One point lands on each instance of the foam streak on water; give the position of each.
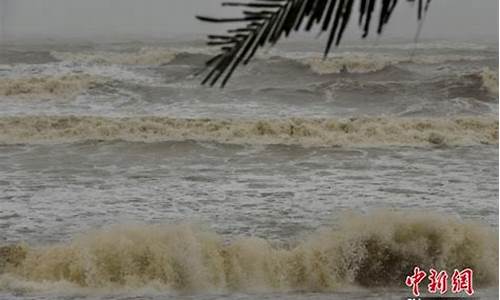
(305, 132)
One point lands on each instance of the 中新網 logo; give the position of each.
(461, 281)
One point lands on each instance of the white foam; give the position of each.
(490, 81)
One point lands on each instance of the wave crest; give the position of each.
(354, 62)
(372, 250)
(350, 63)
(364, 131)
(490, 81)
(144, 56)
(368, 63)
(49, 85)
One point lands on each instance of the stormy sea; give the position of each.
(121, 177)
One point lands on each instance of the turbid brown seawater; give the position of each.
(122, 178)
(369, 251)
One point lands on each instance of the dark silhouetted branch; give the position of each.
(267, 21)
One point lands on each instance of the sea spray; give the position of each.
(378, 249)
(363, 131)
(490, 81)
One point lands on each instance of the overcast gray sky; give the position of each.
(115, 19)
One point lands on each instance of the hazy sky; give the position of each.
(115, 19)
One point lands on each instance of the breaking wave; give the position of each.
(478, 84)
(47, 86)
(143, 56)
(490, 81)
(379, 249)
(429, 45)
(354, 62)
(367, 63)
(366, 131)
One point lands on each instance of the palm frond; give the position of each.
(267, 21)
